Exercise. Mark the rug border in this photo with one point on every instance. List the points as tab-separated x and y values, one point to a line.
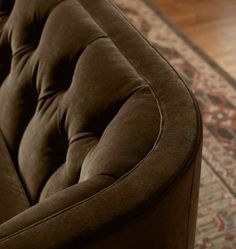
193	46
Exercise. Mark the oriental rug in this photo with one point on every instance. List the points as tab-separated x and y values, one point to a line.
216	94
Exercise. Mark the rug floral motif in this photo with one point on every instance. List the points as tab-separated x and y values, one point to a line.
216	224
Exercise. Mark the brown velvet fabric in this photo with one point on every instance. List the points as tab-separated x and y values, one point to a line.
13	199
99	135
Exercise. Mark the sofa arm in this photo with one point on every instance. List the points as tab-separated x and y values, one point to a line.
56	220
166	207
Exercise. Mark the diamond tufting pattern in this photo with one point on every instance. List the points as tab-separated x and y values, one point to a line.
61	127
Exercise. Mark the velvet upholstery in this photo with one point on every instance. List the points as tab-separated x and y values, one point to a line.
100	139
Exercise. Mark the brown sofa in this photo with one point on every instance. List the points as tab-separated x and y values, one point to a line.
100	139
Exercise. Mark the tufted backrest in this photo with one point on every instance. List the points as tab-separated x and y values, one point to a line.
72	106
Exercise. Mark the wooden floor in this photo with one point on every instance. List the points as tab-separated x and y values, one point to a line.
211	24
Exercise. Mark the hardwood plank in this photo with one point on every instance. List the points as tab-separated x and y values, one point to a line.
211	24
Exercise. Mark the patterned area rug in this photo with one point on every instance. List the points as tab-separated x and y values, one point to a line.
216	94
